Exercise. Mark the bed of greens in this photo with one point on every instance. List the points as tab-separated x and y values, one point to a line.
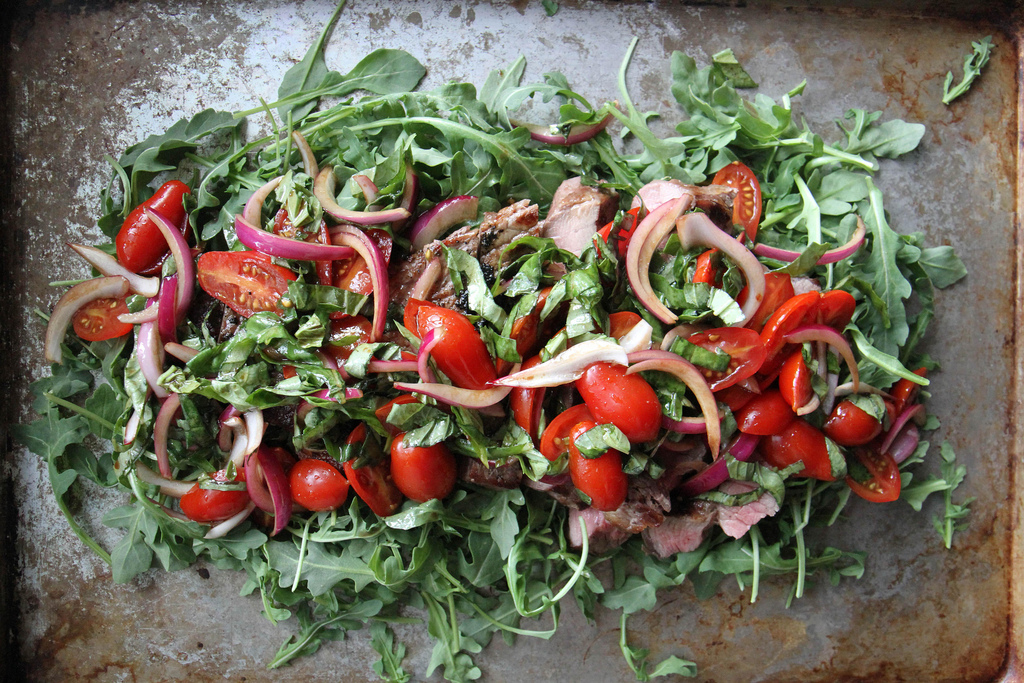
476	562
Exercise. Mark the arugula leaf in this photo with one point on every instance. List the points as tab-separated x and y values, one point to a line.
973	64
728	68
309	73
389	668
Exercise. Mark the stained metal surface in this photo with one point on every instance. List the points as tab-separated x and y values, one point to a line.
87	79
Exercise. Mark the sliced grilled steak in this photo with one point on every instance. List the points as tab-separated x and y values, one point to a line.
602	536
577	211
497	477
646	503
558	487
681	532
716	200
737	520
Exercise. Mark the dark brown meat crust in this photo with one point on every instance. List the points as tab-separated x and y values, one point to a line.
497	477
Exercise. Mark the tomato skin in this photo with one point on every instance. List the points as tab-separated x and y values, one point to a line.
385	410
555	439
621	322
904	391
735	397
789	316
795	381
460	353
799	441
525	404
247	281
885	483
744	347
528	332
706	270
765	414
746	208
283	226
353	273
835	308
848	425
626	401
626	228
422	473
140	244
778	289
317	485
210	505
344	327
373	483
601	478
97	320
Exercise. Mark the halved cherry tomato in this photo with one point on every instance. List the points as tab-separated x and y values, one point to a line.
385	410
97	320
460	353
835	308
373	483
247	281
795	381
626	401
210	505
885	484
422	473
765	414
288	371
525	404
778	289
412	309
735	397
746	208
141	246
707	269
621	322
800	441
353	273
626	228
283	226
601	478
527	332
784	320
346	333
904	391
848	425
555	439
746	354
317	485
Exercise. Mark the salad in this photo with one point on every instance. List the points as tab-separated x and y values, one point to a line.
409	357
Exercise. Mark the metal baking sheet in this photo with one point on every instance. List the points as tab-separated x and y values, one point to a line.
86	79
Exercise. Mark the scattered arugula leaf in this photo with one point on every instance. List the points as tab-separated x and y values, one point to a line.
973	64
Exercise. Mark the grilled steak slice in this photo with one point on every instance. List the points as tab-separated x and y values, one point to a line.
716	200
681	532
601	535
507	476
737	520
577	211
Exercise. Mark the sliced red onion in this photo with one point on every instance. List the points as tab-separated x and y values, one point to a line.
688	374
323	189
252	213
688	425
286	247
254	427
131	427
309	165
267	484
161	425
899	423
430	340
581	132
150	314
224	528
224	434
180	351
568	366
108	265
367	187
183	261
150	352
475	399
810	406
166	321
367	249
831	384
68	305
642	245
826	334
426	281
638	338
846	389
830	256
168	487
238	446
715	474
697	230
435	222
684	330
410	195
392	366
905	443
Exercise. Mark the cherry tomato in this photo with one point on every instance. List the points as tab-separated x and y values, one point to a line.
346	333
746	208
746	354
707	269
422	473
620	323
141	246
626	228
210	505
97	320
317	485
885	484
373	483
247	281
765	414
526	331
795	381
460	353
800	441
412	309
848	425
283	226
778	289
525	404
601	478
789	316
555	439
353	274
385	410
835	308
735	397
626	401
904	391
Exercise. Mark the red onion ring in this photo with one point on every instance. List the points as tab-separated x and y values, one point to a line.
68	305
286	247
180	351
581	132
826	334
149	314
171	406
426	281
685	330
688	425
168	487
410	194
392	366
183	261
638	338
238	445
267	484
108	265
224	434
642	245
715	474
474	399
568	366
905	443
224	528
430	340
447	213
367	249
150	353
367	187
254	427
166	321
309	165
323	189
830	256
899	423
252	213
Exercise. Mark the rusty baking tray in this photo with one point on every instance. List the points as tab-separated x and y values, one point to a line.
86	79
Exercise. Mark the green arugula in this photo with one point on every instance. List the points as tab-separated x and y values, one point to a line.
973	64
